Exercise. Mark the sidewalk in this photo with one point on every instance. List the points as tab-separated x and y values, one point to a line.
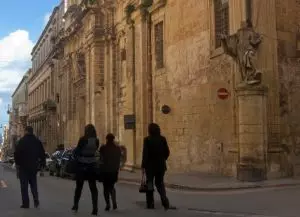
207	182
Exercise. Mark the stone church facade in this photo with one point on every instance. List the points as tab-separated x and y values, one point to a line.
170	56
127	63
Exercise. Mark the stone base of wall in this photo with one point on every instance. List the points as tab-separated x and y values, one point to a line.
251	173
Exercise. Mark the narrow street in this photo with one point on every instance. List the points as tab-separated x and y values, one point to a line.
56	200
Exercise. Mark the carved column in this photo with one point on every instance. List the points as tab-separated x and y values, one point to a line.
252	132
88	85
97	90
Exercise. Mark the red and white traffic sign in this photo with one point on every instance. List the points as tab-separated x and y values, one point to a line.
223	93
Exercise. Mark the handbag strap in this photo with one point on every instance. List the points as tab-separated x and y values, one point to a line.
143	177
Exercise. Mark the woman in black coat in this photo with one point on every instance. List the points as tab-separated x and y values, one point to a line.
155	154
85	155
111	156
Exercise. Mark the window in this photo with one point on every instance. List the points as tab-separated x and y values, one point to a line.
159	45
123	54
221	11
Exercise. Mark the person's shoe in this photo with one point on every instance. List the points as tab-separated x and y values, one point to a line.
24	206
172	207
107	208
36	204
150	206
115	206
75	208
95	212
166	204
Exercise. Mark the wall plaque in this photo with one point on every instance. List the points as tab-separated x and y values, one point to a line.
129	122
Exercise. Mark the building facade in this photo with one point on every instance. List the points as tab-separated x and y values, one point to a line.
18	112
172	69
83	68
123	64
6	150
42	85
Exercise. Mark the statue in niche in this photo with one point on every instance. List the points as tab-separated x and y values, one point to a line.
242	46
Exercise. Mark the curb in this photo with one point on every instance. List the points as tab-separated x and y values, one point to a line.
211	189
207	189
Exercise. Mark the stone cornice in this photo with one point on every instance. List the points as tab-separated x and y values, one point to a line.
157	6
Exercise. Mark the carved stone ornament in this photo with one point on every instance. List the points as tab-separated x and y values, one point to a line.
243	46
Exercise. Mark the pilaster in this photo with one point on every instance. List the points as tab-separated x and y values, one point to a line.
252	132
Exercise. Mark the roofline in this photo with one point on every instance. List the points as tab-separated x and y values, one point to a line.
21	82
45	29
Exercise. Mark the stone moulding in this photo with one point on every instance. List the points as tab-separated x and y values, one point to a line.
157	6
243	90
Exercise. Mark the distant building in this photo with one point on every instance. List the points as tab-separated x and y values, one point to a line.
42	84
18	113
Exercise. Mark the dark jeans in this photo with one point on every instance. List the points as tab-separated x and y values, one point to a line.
158	179
86	172
109	181
28	178
109	191
93	189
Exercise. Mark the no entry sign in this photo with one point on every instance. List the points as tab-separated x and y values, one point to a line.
223	93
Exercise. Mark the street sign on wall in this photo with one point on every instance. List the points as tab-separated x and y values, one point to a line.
129	122
223	93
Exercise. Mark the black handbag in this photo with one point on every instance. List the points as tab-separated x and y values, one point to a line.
145	187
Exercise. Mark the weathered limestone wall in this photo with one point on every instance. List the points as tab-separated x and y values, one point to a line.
188	83
85	88
288	65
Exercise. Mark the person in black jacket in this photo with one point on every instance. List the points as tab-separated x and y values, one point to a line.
155	154
28	155
110	154
85	155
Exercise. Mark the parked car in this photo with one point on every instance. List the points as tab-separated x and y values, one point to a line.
11	160
48	161
65	163
54	164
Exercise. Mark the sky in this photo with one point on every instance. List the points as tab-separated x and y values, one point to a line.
21	23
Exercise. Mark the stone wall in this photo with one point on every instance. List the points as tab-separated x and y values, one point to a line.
200	126
84	82
124	76
289	73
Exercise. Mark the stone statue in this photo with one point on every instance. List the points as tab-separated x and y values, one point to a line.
242	46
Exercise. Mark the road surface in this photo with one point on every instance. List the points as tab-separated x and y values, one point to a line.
56	200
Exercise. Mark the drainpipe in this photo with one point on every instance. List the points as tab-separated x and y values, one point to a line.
133	91
149	69
130	22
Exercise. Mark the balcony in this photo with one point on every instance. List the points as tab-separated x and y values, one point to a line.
49	105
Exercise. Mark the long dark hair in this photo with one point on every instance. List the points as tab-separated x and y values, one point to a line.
90	131
154	129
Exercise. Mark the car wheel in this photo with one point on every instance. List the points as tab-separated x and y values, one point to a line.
58	172
51	173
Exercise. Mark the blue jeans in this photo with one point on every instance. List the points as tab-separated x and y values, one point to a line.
28	178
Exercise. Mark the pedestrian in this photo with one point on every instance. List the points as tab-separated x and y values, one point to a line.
110	155
29	152
85	156
155	154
